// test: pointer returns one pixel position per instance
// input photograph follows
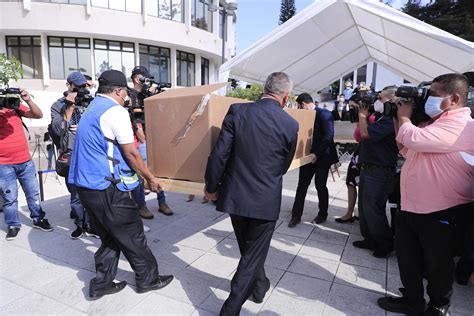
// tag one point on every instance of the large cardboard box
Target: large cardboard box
(182, 126)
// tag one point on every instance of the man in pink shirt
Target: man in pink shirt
(436, 183)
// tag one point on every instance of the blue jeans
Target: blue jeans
(82, 219)
(375, 186)
(26, 174)
(136, 195)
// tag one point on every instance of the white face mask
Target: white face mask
(378, 106)
(433, 106)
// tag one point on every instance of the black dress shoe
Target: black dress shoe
(115, 288)
(363, 244)
(397, 305)
(258, 299)
(319, 219)
(437, 311)
(160, 282)
(293, 222)
(343, 221)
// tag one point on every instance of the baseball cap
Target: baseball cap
(76, 78)
(141, 70)
(112, 78)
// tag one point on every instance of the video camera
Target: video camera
(368, 98)
(10, 102)
(82, 100)
(148, 83)
(417, 96)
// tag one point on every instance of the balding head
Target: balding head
(278, 85)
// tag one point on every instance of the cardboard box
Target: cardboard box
(183, 126)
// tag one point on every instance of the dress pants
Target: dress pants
(116, 220)
(425, 246)
(320, 172)
(253, 236)
(376, 184)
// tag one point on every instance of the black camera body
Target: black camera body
(83, 99)
(417, 96)
(10, 102)
(139, 116)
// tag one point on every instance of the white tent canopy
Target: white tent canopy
(331, 38)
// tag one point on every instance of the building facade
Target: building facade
(179, 41)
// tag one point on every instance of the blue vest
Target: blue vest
(97, 162)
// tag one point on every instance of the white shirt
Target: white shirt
(115, 123)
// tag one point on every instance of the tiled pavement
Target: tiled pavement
(314, 270)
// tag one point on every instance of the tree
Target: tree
(10, 68)
(455, 17)
(251, 94)
(287, 10)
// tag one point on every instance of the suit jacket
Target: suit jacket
(255, 148)
(323, 138)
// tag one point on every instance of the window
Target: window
(82, 2)
(186, 69)
(113, 55)
(362, 74)
(201, 17)
(204, 71)
(166, 9)
(27, 49)
(122, 5)
(157, 61)
(68, 54)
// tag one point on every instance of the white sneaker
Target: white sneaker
(146, 229)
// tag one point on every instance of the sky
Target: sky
(256, 18)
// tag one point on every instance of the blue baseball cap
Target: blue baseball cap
(76, 78)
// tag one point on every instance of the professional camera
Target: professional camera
(10, 102)
(149, 82)
(417, 96)
(368, 98)
(83, 98)
(138, 116)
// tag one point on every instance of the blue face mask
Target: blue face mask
(433, 106)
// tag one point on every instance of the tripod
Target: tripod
(39, 149)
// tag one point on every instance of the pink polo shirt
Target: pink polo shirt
(435, 176)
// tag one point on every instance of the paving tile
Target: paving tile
(221, 227)
(393, 284)
(344, 300)
(279, 259)
(364, 278)
(302, 230)
(322, 249)
(121, 302)
(201, 241)
(213, 264)
(314, 267)
(228, 247)
(69, 290)
(287, 243)
(392, 265)
(10, 292)
(363, 258)
(156, 304)
(297, 295)
(329, 235)
(34, 304)
(192, 287)
(462, 302)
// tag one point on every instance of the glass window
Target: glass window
(133, 6)
(186, 69)
(68, 54)
(201, 17)
(152, 7)
(157, 61)
(27, 49)
(177, 9)
(113, 55)
(204, 71)
(100, 3)
(117, 5)
(164, 9)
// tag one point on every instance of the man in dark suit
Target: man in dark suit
(255, 148)
(325, 151)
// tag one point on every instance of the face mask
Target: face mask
(433, 106)
(378, 106)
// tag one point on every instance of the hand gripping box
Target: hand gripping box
(182, 126)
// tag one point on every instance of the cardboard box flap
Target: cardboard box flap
(198, 90)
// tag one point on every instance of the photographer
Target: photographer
(436, 184)
(137, 94)
(378, 159)
(16, 164)
(65, 116)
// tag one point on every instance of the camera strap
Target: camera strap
(23, 123)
